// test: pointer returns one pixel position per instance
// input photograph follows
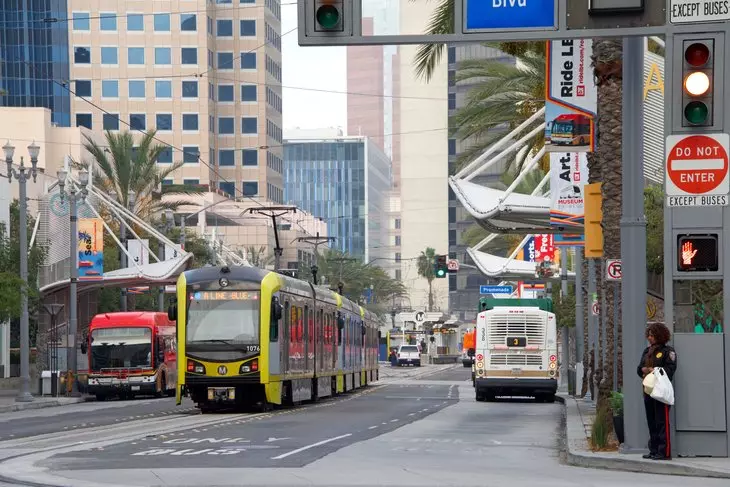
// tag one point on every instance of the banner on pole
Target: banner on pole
(91, 248)
(571, 97)
(568, 176)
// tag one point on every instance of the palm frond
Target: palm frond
(428, 56)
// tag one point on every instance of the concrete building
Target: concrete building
(141, 63)
(464, 286)
(343, 180)
(34, 57)
(424, 160)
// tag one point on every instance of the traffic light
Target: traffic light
(440, 267)
(592, 221)
(698, 82)
(328, 15)
(698, 253)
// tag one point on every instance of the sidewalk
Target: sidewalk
(8, 404)
(579, 416)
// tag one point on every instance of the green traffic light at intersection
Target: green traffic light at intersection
(696, 112)
(328, 16)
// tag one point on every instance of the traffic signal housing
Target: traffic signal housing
(328, 16)
(698, 252)
(440, 266)
(698, 80)
(328, 22)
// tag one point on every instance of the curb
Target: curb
(613, 461)
(27, 406)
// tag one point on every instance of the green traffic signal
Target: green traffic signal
(696, 112)
(328, 16)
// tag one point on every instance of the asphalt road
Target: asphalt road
(23, 424)
(458, 374)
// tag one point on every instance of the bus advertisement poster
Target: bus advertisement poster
(571, 96)
(91, 248)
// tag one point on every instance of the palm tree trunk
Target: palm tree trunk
(607, 54)
(430, 295)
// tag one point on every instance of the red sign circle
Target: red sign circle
(614, 269)
(697, 164)
(480, 357)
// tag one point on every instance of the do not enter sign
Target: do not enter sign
(697, 170)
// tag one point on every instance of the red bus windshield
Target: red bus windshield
(120, 347)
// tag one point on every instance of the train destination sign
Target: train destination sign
(225, 296)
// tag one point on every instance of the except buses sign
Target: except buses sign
(697, 170)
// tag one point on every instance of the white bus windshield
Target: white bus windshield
(122, 347)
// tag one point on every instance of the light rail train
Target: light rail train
(250, 337)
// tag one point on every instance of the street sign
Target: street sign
(506, 15)
(495, 289)
(613, 269)
(595, 309)
(697, 170)
(453, 265)
(696, 11)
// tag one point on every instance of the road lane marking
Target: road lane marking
(373, 427)
(394, 420)
(313, 445)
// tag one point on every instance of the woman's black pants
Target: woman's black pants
(657, 417)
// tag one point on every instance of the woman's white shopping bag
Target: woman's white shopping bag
(663, 390)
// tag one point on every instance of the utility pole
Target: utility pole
(274, 212)
(316, 241)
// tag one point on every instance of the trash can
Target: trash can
(47, 383)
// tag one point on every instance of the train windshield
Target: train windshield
(223, 317)
(121, 347)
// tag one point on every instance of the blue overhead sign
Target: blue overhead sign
(485, 15)
(495, 289)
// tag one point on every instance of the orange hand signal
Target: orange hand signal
(688, 253)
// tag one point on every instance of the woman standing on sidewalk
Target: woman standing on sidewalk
(658, 354)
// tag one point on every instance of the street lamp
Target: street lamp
(123, 240)
(73, 197)
(169, 223)
(9, 151)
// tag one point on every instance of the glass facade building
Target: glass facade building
(33, 53)
(345, 182)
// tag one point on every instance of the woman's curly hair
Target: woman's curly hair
(661, 333)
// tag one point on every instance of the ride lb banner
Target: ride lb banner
(568, 176)
(571, 97)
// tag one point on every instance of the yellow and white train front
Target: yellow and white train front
(516, 353)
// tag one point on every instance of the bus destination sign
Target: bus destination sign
(225, 296)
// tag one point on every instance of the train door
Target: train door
(319, 331)
(284, 339)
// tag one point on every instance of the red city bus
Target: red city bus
(131, 353)
(571, 129)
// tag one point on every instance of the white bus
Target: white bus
(516, 354)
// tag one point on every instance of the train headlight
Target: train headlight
(223, 282)
(245, 368)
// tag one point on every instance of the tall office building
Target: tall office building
(464, 286)
(206, 75)
(344, 181)
(33, 53)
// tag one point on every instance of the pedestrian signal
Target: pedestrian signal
(698, 253)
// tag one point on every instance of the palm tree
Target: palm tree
(120, 167)
(257, 257)
(424, 264)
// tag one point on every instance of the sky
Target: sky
(318, 68)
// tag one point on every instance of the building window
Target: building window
(397, 223)
(452, 214)
(191, 182)
(163, 56)
(162, 22)
(190, 122)
(452, 55)
(226, 126)
(188, 22)
(452, 78)
(137, 121)
(225, 60)
(250, 188)
(452, 101)
(191, 154)
(397, 257)
(226, 157)
(83, 120)
(225, 93)
(135, 22)
(135, 55)
(110, 121)
(82, 55)
(452, 238)
(109, 55)
(190, 89)
(248, 28)
(397, 240)
(249, 125)
(452, 147)
(164, 122)
(189, 55)
(81, 21)
(163, 88)
(248, 92)
(224, 28)
(83, 87)
(165, 156)
(108, 21)
(228, 188)
(250, 157)
(248, 60)
(136, 89)
(110, 88)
